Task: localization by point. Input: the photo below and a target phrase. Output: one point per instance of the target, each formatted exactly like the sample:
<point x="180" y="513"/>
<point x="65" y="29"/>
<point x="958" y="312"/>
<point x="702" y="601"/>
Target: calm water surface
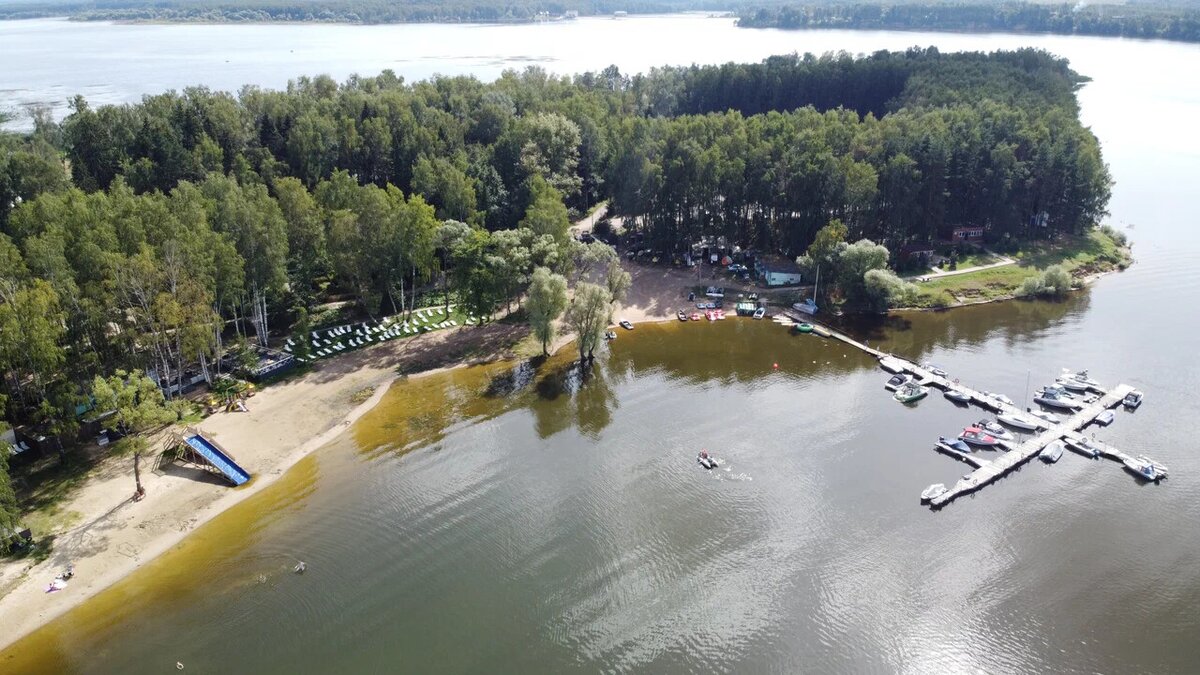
<point x="512" y="518"/>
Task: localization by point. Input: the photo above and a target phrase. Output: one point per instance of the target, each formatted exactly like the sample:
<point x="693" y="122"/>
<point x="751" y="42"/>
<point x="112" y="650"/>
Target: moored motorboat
<point x="1078" y="381"/>
<point x="999" y="397"/>
<point x="681" y="316"/>
<point x="978" y="437"/>
<point x="1056" y="397"/>
<point x="957" y="396"/>
<point x="695" y="316"/>
<point x="760" y="313"/>
<point x="1133" y="399"/>
<point x="1047" y="417"/>
<point x="955" y="447"/>
<point x="995" y="429"/>
<point x="610" y="335"/>
<point x="1105" y="418"/>
<point x="933" y="492"/>
<point x="1051" y="453"/>
<point x="896" y="381"/>
<point x="1018" y="421"/>
<point x="1084" y="446"/>
<point x="910" y="393"/>
<point x="934" y="369"/>
<point x="626" y="324"/>
<point x="1145" y="468"/>
<point x="711" y="315"/>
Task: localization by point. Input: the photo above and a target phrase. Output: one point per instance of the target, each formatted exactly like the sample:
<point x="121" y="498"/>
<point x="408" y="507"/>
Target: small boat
<point x="760" y="312"/>
<point x="626" y="324"/>
<point x="681" y="316"/>
<point x="711" y="315"/>
<point x="804" y="327"/>
<point x="933" y="492"/>
<point x="695" y="316"/>
<point x="957" y="396"/>
<point x="610" y="335"/>
<point x="896" y="381"/>
<point x="1085" y="447"/>
<point x="1133" y="399"/>
<point x="1056" y="397"/>
<point x="1048" y="417"/>
<point x="1051" y="453"/>
<point x="809" y="306"/>
<point x="1018" y="421"/>
<point x="910" y="393"/>
<point x="1105" y="418"/>
<point x="719" y="314"/>
<point x="1144" y="468"/>
<point x="995" y="429"/>
<point x="999" y="397"/>
<point x="934" y="369"/>
<point x="705" y="461"/>
<point x="978" y="437"/>
<point x="1077" y="381"/>
<point x="954" y="447"/>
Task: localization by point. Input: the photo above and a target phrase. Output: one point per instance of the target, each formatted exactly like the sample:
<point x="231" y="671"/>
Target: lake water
<point x="512" y="519"/>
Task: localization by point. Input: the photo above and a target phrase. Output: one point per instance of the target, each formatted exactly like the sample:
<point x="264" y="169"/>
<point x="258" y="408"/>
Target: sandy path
<point x="286" y="422"/>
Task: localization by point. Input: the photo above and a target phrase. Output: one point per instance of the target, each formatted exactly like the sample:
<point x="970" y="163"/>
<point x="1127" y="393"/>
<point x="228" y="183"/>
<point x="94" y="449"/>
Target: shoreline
<point x="19" y="606"/>
<point x="25" y="607"/>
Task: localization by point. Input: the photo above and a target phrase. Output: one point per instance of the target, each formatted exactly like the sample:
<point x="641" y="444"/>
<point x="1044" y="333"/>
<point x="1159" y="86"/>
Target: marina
<point x="1095" y="406"/>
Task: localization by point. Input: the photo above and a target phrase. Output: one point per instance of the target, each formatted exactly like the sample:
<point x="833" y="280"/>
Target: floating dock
<point x="988" y="471"/>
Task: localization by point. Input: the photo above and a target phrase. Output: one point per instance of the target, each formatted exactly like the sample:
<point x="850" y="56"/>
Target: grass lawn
<point x="1080" y="255"/>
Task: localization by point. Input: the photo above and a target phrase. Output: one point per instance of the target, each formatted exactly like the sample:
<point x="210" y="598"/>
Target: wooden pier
<point x="988" y="471"/>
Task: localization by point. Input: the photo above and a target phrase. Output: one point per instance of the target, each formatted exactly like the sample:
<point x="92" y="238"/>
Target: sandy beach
<point x="287" y="421"/>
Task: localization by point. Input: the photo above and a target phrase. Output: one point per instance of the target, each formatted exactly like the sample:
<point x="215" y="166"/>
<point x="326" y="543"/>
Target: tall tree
<point x="588" y="315"/>
<point x="547" y="300"/>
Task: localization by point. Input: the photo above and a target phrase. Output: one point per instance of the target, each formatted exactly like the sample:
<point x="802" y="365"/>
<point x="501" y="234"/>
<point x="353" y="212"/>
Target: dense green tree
<point x="588" y="315"/>
<point x="136" y="401"/>
<point x="547" y="300"/>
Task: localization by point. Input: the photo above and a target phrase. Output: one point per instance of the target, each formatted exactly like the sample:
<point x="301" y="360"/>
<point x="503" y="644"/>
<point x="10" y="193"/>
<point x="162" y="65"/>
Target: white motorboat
<point x="1051" y="453"/>
<point x="1047" y="417"/>
<point x="705" y="460"/>
<point x="1145" y="468"/>
<point x="809" y="306"/>
<point x="1105" y="418"/>
<point x="1018" y="421"/>
<point x="1077" y="381"/>
<point x="896" y="381"/>
<point x="1085" y="447"/>
<point x="933" y="492"/>
<point x="1056" y="397"/>
<point x="996" y="430"/>
<point x="910" y="393"/>
<point x="957" y="396"/>
<point x="934" y="369"/>
<point x="999" y="397"/>
<point x="760" y="312"/>
<point x="1133" y="399"/>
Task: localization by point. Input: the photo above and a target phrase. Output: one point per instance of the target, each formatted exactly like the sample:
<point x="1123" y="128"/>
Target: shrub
<point x="1116" y="235"/>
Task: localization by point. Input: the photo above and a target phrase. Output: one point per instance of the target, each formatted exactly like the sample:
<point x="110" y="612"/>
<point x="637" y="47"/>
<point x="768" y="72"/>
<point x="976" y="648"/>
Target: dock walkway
<point x="989" y="471"/>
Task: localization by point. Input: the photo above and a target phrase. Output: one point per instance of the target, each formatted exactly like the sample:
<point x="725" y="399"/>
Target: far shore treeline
<point x="141" y="236"/>
<point x="1151" y="21"/>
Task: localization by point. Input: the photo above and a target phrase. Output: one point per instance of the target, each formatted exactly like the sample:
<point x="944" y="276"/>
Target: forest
<point x="158" y="235"/>
<point x="1147" y="21"/>
<point x="338" y="11"/>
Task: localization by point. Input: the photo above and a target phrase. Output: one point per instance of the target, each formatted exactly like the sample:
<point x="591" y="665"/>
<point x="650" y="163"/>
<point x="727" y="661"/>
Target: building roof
<point x="778" y="264"/>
